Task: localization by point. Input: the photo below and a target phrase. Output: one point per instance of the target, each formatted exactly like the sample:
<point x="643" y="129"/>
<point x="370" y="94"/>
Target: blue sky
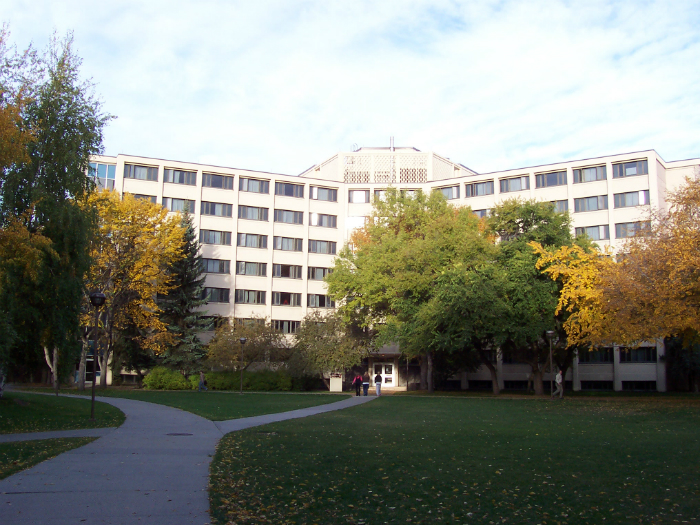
<point x="279" y="86"/>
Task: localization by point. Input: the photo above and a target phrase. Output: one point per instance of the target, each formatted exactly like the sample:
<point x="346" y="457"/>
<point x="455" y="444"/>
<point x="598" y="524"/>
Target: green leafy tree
<point x="181" y="305"/>
<point x="46" y="189"/>
<point x="396" y="260"/>
<point x="326" y="344"/>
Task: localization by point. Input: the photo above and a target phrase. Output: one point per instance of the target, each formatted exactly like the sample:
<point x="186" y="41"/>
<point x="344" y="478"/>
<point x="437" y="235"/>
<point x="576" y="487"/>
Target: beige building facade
<point x="269" y="239"/>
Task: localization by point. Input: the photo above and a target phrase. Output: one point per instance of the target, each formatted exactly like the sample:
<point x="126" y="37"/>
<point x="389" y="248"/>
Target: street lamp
<point x="550" y="336"/>
<point x="242" y="340"/>
<point x="97" y="299"/>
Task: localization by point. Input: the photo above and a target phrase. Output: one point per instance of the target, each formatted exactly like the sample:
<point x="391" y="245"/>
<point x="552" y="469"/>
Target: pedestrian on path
<point x="560" y="390"/>
<point x="357" y="383"/>
<point x="202" y="382"/>
<point x="378" y="383"/>
<point x="365" y="383"/>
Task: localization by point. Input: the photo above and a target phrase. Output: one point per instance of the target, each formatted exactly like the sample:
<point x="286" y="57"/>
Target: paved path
<point x="153" y="469"/>
<point x="81" y="432"/>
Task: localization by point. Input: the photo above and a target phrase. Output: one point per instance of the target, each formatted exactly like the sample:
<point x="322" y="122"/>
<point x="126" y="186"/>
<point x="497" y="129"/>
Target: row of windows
<point x="222" y="295"/>
<point x="621" y="200"/>
<point x="622" y="230"/>
<point x="627" y="355"/>
<point x="290" y="271"/>
<point x="254" y="240"/>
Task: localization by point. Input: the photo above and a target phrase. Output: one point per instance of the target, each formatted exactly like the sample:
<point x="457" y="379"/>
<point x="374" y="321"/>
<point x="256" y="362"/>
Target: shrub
<point x="161" y="378"/>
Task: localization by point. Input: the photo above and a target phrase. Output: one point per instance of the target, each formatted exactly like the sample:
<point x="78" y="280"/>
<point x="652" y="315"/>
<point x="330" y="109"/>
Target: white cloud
<point x="279" y="86"/>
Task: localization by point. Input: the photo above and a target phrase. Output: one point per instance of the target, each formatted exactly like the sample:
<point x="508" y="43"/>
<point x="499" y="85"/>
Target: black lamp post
<point x="243" y="341"/>
<point x="550" y="336"/>
<point x="97" y="299"/>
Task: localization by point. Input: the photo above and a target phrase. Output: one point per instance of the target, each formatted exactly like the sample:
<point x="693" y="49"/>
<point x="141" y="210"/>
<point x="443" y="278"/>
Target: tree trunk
<point x="104" y="359"/>
<point x="537" y="381"/>
<point x="431" y="386"/>
<point x="81" y="367"/>
<point x="423" y="373"/>
<point x="52" y="361"/>
<point x="494" y="375"/>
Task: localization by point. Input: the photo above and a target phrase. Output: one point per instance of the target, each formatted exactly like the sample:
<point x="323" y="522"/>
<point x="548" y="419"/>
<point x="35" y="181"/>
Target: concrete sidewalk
<point x="153" y="469"/>
<point x="34" y="436"/>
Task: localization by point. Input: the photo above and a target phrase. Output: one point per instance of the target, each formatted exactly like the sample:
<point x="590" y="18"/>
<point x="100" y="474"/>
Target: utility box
<point x="336" y="382"/>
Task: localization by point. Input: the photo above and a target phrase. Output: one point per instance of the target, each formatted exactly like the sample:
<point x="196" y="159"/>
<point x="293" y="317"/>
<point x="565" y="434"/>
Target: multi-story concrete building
<point x="269" y="239"/>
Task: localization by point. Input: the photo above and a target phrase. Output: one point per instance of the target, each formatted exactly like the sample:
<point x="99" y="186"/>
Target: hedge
<point x="161" y="378"/>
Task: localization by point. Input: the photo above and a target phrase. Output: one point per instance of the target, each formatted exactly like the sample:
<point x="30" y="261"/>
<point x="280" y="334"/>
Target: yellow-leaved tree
<point x="137" y="242"/>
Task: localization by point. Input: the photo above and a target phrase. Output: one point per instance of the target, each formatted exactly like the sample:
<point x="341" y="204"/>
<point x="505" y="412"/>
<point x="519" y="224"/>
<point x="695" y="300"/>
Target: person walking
<point x="365" y="383"/>
<point x="378" y="383"/>
<point x="202" y="382"/>
<point x="560" y="389"/>
<point x="357" y="383"/>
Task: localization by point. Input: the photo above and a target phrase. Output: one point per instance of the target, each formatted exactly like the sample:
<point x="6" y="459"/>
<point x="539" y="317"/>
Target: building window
<point x="289" y="216"/>
<point x="596" y="233"/>
<point x="319" y="301"/>
<point x="247" y="321"/>
<point x="254" y="185"/>
<point x="289" y="190"/>
<point x="409" y="193"/>
<point x="178" y="204"/>
<point x="477" y="189"/>
<point x="324" y="194"/>
<point x="251" y="268"/>
<point x="590" y="174"/>
<point x="515" y="184"/>
<point x="250" y="297"/>
<point x="631" y="198"/>
<point x="630" y="229"/>
<point x="104" y="174"/>
<point x="133" y="171"/>
<point x="482" y="214"/>
<point x="380" y="195"/>
<point x="217" y="209"/>
<point x="596" y="385"/>
<point x="253" y="213"/>
<point x="325" y="221"/>
<point x="358" y="196"/>
<point x="591" y="203"/>
<point x="252" y="240"/>
<point x="286" y="327"/>
<point x="602" y="355"/>
<point x="215" y="237"/>
<point x="286" y="271"/>
<point x="327" y="247"/>
<point x="561" y="206"/>
<point x="180" y="177"/>
<point x="639" y="386"/>
<point x="288" y="244"/>
<point x="555" y="178"/>
<point x="450" y="192"/>
<point x="140" y="196"/>
<point x="216" y="266"/>
<point x="211" y="180"/>
<point x="318" y="274"/>
<point x="630" y="169"/>
<point x="644" y="354"/>
<point x="286" y="299"/>
<point x="216" y="295"/>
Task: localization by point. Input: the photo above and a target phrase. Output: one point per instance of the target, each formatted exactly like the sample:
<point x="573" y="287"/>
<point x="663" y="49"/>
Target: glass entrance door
<point x="387" y="371"/>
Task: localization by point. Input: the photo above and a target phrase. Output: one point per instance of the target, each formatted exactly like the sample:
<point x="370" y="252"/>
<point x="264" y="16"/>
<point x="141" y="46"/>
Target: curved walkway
<point x="153" y="469"/>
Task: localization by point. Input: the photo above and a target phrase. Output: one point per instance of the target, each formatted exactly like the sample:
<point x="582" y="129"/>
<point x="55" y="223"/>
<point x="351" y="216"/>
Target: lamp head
<point x="243" y="340"/>
<point x="97" y="299"/>
<point x="550" y="334"/>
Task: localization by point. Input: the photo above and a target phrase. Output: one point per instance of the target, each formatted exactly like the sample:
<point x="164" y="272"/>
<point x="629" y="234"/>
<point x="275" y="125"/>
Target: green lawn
<point x="219" y="406"/>
<point x="20" y="412"/>
<point x="21" y="455"/>
<point x="465" y="460"/>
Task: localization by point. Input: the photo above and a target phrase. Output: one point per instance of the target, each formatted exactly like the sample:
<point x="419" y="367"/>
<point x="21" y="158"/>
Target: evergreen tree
<point x="180" y="306"/>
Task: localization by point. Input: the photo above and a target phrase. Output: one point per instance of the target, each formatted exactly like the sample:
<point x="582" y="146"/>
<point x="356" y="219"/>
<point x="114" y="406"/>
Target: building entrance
<point x="387" y="371"/>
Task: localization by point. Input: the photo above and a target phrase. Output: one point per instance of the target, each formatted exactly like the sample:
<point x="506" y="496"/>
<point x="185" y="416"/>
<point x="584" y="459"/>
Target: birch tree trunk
<point x="52" y="361"/>
<point x="431" y="386"/>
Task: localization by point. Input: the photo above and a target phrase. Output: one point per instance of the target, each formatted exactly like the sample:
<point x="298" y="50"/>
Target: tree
<point x="325" y="344"/>
<point x="227" y="352"/>
<point x="136" y="245"/>
<point x="45" y="188"/>
<point x="531" y="296"/>
<point x="181" y="305"/>
<point x="382" y="282"/>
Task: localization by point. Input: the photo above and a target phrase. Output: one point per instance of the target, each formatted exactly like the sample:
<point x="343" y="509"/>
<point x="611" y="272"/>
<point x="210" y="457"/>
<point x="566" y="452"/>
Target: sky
<point x="282" y="85"/>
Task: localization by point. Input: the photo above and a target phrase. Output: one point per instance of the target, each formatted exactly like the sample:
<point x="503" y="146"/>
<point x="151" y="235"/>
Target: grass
<point x="20" y="412"/>
<point x="465" y="460"/>
<point x="21" y="455"/>
<point x="220" y="406"/>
